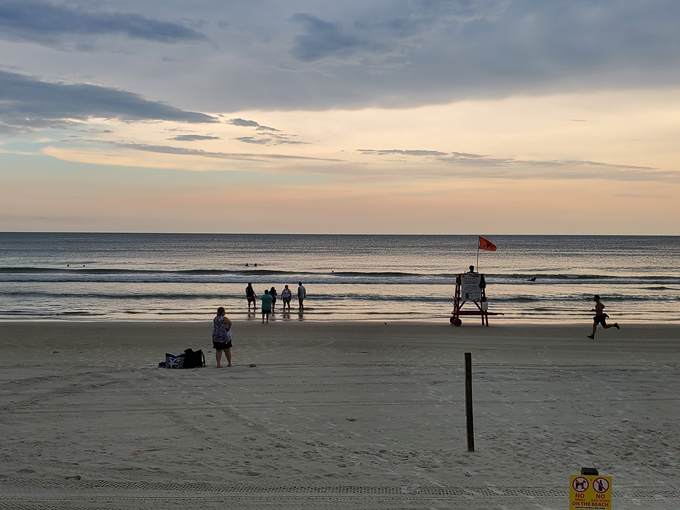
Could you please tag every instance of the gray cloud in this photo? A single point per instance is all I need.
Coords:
(250, 139)
(27, 103)
(46, 22)
(251, 123)
(401, 54)
(324, 39)
(384, 152)
(314, 56)
(271, 139)
(243, 123)
(285, 141)
(390, 29)
(166, 149)
(481, 159)
(193, 138)
(272, 136)
(460, 164)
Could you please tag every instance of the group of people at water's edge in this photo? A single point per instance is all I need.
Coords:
(268, 299)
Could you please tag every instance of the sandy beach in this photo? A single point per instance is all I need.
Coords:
(354, 415)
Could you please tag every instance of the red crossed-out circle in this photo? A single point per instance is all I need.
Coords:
(580, 484)
(600, 485)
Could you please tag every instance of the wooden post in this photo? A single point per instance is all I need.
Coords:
(468, 402)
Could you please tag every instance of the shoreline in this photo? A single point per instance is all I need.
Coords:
(469, 321)
(348, 323)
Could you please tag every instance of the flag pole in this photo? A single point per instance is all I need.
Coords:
(478, 255)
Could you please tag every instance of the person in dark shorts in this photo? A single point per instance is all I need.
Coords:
(266, 300)
(286, 296)
(600, 317)
(302, 294)
(250, 295)
(221, 337)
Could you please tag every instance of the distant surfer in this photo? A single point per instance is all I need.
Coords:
(600, 317)
(532, 279)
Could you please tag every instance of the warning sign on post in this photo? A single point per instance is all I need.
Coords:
(590, 492)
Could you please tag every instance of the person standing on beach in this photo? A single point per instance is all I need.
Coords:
(266, 300)
(221, 337)
(600, 317)
(302, 294)
(286, 295)
(250, 296)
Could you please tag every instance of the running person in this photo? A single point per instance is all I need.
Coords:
(600, 317)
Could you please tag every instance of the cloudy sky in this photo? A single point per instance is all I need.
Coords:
(404, 116)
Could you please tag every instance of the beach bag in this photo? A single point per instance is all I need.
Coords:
(174, 360)
(193, 359)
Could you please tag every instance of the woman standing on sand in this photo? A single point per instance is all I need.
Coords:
(221, 337)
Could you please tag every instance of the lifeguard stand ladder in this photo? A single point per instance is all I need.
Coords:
(468, 288)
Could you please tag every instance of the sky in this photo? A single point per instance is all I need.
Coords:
(378, 117)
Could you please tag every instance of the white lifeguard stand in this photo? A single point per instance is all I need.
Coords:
(470, 287)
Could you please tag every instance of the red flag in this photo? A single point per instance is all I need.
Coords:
(485, 244)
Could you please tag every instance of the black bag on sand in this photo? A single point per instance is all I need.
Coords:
(193, 359)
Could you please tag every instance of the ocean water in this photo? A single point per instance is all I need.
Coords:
(107, 277)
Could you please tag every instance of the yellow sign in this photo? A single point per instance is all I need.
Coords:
(588, 492)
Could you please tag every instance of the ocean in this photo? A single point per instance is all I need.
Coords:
(185, 277)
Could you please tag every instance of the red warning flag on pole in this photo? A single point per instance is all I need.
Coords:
(485, 244)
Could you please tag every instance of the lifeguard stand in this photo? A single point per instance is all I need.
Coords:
(470, 287)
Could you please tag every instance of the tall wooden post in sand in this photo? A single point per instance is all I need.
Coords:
(468, 402)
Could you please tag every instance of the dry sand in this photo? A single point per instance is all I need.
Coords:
(336, 416)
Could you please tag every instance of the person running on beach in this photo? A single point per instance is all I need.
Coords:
(286, 295)
(250, 295)
(221, 337)
(266, 300)
(600, 317)
(273, 294)
(302, 294)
